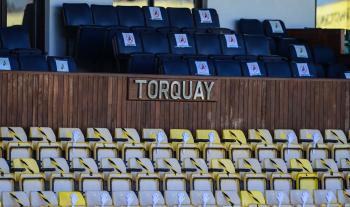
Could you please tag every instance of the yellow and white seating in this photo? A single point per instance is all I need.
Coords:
(236, 144)
(86, 173)
(210, 144)
(157, 142)
(45, 143)
(43, 198)
(128, 142)
(73, 141)
(183, 144)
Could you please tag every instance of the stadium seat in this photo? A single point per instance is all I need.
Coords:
(182, 44)
(277, 173)
(181, 18)
(125, 198)
(233, 45)
(325, 57)
(7, 179)
(104, 15)
(131, 16)
(236, 144)
(278, 198)
(156, 17)
(303, 70)
(156, 141)
(249, 198)
(177, 198)
(73, 142)
(328, 173)
(338, 144)
(174, 66)
(8, 62)
(300, 53)
(227, 198)
(44, 142)
(150, 198)
(303, 174)
(314, 146)
(302, 198)
(86, 173)
(43, 198)
(171, 174)
(201, 66)
(101, 143)
(203, 198)
(225, 176)
(283, 46)
(129, 143)
(14, 140)
(344, 197)
(115, 172)
(183, 144)
(230, 68)
(98, 198)
(253, 68)
(210, 144)
(261, 141)
(71, 199)
(275, 28)
(27, 174)
(15, 199)
(198, 174)
(208, 19)
(325, 197)
(278, 68)
(61, 64)
(257, 45)
(251, 173)
(208, 44)
(250, 26)
(28, 62)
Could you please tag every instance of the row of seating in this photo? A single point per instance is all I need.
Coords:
(178, 198)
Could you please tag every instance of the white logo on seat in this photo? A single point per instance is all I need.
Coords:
(276, 26)
(254, 69)
(205, 16)
(5, 64)
(347, 75)
(202, 68)
(156, 14)
(303, 69)
(62, 66)
(300, 50)
(231, 41)
(181, 40)
(129, 39)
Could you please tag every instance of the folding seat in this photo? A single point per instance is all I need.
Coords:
(73, 142)
(144, 174)
(278, 198)
(302, 198)
(285, 136)
(98, 198)
(8, 62)
(156, 141)
(208, 45)
(303, 70)
(15, 199)
(101, 141)
(278, 68)
(225, 175)
(300, 53)
(156, 17)
(325, 57)
(116, 175)
(44, 142)
(252, 198)
(303, 174)
(104, 15)
(197, 173)
(233, 45)
(210, 144)
(43, 198)
(208, 19)
(131, 16)
(61, 64)
(250, 26)
(128, 141)
(257, 45)
(203, 198)
(151, 198)
(183, 143)
(236, 144)
(262, 143)
(57, 172)
(129, 52)
(181, 18)
(201, 66)
(171, 174)
(275, 28)
(329, 175)
(27, 174)
(228, 198)
(155, 43)
(71, 199)
(177, 198)
(16, 39)
(287, 142)
(33, 63)
(125, 198)
(326, 198)
(87, 174)
(252, 175)
(344, 197)
(182, 44)
(14, 140)
(314, 146)
(174, 66)
(277, 173)
(251, 68)
(283, 46)
(7, 180)
(231, 68)
(338, 144)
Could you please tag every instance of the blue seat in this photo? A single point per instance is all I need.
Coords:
(104, 15)
(155, 43)
(250, 26)
(131, 16)
(325, 57)
(229, 68)
(201, 66)
(33, 63)
(182, 44)
(156, 17)
(174, 66)
(206, 18)
(232, 45)
(253, 68)
(257, 45)
(8, 62)
(275, 28)
(304, 70)
(346, 75)
(61, 64)
(208, 44)
(283, 45)
(180, 18)
(300, 52)
(278, 68)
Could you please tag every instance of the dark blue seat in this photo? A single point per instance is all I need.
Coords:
(232, 45)
(174, 66)
(201, 66)
(180, 18)
(8, 62)
(104, 15)
(155, 43)
(283, 45)
(33, 63)
(182, 44)
(131, 16)
(156, 17)
(257, 45)
(300, 52)
(278, 68)
(275, 28)
(206, 18)
(250, 26)
(61, 64)
(208, 44)
(253, 68)
(304, 70)
(230, 68)
(325, 57)
(346, 75)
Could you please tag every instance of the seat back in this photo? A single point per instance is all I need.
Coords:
(77, 14)
(285, 136)
(98, 198)
(33, 63)
(257, 45)
(278, 69)
(181, 134)
(274, 28)
(335, 136)
(277, 197)
(8, 62)
(250, 26)
(43, 198)
(300, 52)
(303, 70)
(182, 44)
(180, 17)
(208, 44)
(126, 42)
(174, 66)
(325, 197)
(206, 18)
(299, 197)
(102, 134)
(156, 17)
(17, 134)
(71, 198)
(201, 66)
(235, 136)
(228, 68)
(323, 55)
(15, 199)
(61, 64)
(232, 44)
(252, 197)
(155, 42)
(130, 16)
(15, 37)
(104, 15)
(253, 68)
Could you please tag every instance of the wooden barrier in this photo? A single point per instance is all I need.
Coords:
(101, 100)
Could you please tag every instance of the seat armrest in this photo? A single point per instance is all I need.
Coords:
(243, 170)
(6, 138)
(38, 139)
(77, 170)
(211, 170)
(295, 170)
(320, 170)
(64, 139)
(106, 170)
(269, 170)
(90, 139)
(188, 170)
(162, 170)
(48, 169)
(120, 139)
(133, 170)
(254, 140)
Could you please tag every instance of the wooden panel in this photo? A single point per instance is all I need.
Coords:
(96, 100)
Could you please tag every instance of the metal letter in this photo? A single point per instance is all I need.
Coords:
(187, 96)
(152, 93)
(164, 90)
(175, 90)
(199, 91)
(208, 88)
(139, 91)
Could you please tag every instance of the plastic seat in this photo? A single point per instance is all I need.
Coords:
(125, 198)
(208, 44)
(275, 28)
(326, 198)
(228, 198)
(233, 45)
(210, 144)
(14, 139)
(128, 141)
(176, 198)
(198, 174)
(182, 44)
(303, 70)
(101, 141)
(104, 15)
(27, 174)
(251, 173)
(278, 198)
(250, 26)
(86, 173)
(28, 62)
(183, 144)
(71, 199)
(181, 18)
(224, 173)
(278, 69)
(131, 16)
(174, 66)
(303, 174)
(7, 179)
(43, 198)
(257, 45)
(8, 62)
(151, 198)
(252, 197)
(228, 68)
(236, 144)
(277, 173)
(253, 68)
(338, 144)
(283, 46)
(44, 142)
(144, 174)
(98, 198)
(201, 66)
(156, 17)
(171, 174)
(328, 173)
(203, 198)
(72, 140)
(313, 142)
(300, 53)
(208, 19)
(262, 143)
(156, 141)
(15, 199)
(302, 198)
(343, 197)
(61, 64)
(115, 172)
(325, 57)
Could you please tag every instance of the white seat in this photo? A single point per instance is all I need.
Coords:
(125, 198)
(15, 199)
(98, 198)
(43, 198)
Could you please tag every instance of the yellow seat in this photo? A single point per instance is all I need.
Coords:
(236, 144)
(252, 197)
(28, 175)
(156, 141)
(183, 143)
(225, 175)
(101, 143)
(43, 198)
(210, 143)
(303, 174)
(14, 139)
(262, 143)
(66, 199)
(128, 142)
